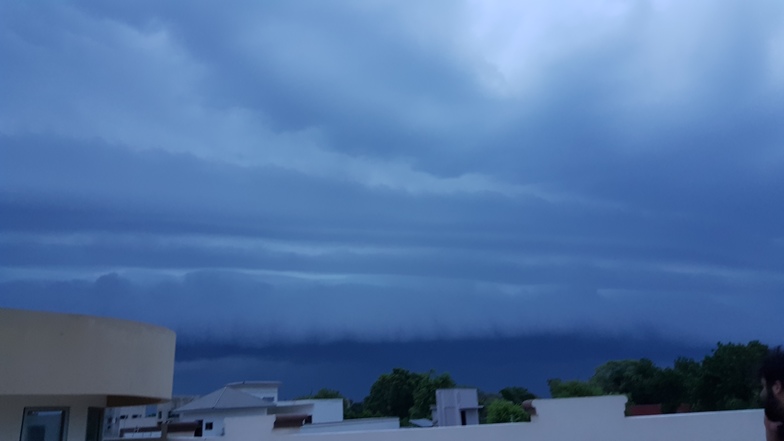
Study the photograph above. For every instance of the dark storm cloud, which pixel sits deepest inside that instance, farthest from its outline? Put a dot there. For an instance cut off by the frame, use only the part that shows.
(258, 310)
(489, 364)
(410, 172)
(99, 188)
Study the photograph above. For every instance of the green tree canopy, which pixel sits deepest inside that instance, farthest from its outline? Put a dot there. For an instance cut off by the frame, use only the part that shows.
(728, 377)
(327, 393)
(574, 388)
(425, 393)
(504, 411)
(392, 394)
(405, 394)
(689, 371)
(637, 379)
(516, 394)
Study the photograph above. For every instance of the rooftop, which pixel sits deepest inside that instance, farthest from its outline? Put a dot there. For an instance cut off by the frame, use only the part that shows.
(225, 398)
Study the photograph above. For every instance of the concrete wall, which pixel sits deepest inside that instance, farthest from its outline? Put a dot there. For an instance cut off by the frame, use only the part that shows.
(323, 410)
(217, 418)
(327, 410)
(67, 354)
(583, 419)
(75, 362)
(364, 424)
(125, 418)
(12, 411)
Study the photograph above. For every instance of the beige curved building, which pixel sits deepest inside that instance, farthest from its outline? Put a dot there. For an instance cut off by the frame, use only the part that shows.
(59, 371)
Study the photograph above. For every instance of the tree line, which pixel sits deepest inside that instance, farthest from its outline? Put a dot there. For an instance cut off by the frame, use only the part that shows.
(726, 379)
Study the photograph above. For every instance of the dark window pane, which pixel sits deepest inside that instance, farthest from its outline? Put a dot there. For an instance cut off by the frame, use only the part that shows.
(44, 424)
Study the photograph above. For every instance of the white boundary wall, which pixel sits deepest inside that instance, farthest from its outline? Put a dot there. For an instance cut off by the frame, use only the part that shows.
(584, 419)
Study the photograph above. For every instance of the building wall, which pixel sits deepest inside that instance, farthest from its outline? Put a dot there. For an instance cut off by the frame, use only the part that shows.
(451, 402)
(584, 419)
(358, 425)
(12, 412)
(129, 417)
(68, 354)
(118, 418)
(471, 416)
(323, 410)
(77, 362)
(217, 418)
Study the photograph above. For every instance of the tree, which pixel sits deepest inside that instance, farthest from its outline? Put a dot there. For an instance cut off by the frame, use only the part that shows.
(570, 389)
(405, 394)
(485, 398)
(689, 371)
(356, 410)
(425, 393)
(672, 389)
(392, 394)
(504, 411)
(637, 379)
(516, 395)
(728, 377)
(327, 393)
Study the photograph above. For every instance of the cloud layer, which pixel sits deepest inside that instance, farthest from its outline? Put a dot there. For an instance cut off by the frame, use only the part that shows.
(255, 173)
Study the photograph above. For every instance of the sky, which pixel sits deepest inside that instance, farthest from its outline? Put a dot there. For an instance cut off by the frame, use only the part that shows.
(321, 191)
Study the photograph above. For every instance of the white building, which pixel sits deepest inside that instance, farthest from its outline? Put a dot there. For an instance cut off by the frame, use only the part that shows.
(58, 372)
(257, 398)
(456, 407)
(119, 420)
(205, 416)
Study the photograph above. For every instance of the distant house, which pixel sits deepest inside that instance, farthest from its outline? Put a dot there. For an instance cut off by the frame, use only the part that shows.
(120, 420)
(58, 372)
(456, 407)
(206, 416)
(253, 398)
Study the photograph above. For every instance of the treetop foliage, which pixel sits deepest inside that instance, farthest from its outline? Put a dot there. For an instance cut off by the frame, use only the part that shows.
(504, 411)
(726, 379)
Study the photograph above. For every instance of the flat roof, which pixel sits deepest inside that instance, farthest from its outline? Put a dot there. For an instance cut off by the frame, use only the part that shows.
(255, 383)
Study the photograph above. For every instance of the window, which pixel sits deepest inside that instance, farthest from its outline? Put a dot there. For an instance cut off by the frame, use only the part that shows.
(44, 424)
(94, 418)
(208, 426)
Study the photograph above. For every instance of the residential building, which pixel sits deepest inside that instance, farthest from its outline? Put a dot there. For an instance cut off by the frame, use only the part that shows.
(254, 398)
(119, 420)
(456, 407)
(60, 371)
